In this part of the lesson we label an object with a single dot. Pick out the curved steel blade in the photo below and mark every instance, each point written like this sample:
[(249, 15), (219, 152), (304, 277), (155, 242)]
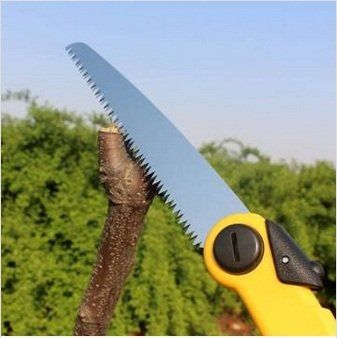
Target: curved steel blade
[(187, 180)]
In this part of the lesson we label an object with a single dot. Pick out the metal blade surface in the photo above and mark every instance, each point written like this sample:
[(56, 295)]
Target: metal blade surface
[(196, 192)]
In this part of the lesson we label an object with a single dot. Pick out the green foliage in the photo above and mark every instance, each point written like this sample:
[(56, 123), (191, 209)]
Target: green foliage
[(53, 209), (21, 95)]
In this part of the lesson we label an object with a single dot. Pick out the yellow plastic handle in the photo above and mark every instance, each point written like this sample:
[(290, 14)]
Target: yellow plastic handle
[(278, 309)]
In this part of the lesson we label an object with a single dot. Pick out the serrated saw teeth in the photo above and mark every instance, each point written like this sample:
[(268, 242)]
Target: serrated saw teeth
[(185, 226), (110, 86), (178, 214), (145, 167), (137, 154)]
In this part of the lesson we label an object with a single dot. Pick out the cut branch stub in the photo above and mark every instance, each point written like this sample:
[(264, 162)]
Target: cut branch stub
[(129, 197)]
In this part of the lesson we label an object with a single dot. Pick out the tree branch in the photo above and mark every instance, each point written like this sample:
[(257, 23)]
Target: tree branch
[(129, 197)]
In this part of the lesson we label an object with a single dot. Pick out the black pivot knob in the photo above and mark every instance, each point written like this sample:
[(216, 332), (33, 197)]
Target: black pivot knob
[(238, 249)]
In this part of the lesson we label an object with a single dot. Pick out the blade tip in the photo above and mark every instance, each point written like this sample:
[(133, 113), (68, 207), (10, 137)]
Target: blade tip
[(75, 45)]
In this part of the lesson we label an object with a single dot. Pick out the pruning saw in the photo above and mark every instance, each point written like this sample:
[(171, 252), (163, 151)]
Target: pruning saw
[(242, 250)]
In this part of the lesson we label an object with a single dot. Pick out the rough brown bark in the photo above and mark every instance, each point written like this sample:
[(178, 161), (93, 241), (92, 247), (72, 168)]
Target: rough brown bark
[(129, 196)]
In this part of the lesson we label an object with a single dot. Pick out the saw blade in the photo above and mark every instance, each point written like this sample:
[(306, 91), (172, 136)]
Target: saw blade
[(198, 195)]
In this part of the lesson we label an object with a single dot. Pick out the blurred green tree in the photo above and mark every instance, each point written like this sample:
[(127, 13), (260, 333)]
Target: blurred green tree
[(53, 209)]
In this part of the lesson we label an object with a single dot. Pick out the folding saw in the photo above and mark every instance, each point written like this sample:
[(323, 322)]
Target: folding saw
[(242, 250)]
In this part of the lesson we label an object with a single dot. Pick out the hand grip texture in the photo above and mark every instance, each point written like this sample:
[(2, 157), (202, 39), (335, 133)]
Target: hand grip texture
[(277, 308)]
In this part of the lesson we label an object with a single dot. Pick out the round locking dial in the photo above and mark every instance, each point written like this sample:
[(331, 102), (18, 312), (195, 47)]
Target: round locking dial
[(238, 249)]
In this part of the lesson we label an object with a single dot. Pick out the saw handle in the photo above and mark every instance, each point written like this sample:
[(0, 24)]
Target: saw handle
[(259, 260)]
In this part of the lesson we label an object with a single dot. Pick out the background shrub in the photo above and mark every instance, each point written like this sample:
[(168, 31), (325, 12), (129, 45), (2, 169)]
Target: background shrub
[(53, 209)]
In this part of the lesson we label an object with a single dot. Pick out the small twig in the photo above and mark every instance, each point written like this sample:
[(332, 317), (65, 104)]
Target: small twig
[(129, 196)]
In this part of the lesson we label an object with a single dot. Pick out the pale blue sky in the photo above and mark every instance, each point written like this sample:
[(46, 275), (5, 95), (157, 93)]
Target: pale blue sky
[(261, 72)]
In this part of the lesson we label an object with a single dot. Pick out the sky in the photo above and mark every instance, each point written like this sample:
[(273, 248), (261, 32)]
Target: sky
[(261, 72)]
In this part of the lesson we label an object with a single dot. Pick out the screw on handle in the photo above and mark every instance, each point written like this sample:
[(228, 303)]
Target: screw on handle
[(238, 249)]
